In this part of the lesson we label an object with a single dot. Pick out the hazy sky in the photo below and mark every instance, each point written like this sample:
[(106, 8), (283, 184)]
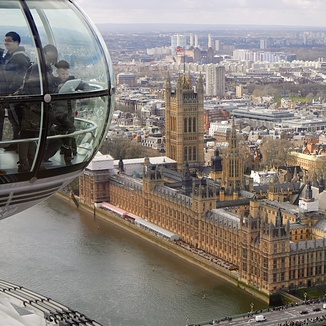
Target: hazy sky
[(256, 12)]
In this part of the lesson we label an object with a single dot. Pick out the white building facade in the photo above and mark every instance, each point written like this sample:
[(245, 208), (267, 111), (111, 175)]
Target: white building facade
[(215, 80)]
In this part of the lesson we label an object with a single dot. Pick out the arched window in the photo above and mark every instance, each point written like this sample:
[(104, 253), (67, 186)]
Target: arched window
[(173, 151), (185, 153)]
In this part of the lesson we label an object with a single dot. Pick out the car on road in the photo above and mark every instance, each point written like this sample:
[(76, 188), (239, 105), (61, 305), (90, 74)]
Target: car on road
[(304, 312), (317, 309), (260, 318)]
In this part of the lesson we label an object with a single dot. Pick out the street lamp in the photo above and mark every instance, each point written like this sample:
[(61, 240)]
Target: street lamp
[(305, 296)]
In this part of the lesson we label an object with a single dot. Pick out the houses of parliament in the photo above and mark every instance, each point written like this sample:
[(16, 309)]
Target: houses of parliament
[(272, 238)]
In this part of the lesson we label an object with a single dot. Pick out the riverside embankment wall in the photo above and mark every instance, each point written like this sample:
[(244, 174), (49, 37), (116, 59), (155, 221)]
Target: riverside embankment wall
[(171, 247)]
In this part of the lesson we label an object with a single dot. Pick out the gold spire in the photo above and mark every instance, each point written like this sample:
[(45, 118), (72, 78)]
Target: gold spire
[(186, 81)]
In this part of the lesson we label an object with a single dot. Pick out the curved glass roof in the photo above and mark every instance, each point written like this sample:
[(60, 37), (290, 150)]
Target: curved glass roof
[(56, 93)]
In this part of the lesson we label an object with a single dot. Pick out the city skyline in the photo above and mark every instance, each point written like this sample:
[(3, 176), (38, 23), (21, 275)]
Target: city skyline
[(308, 13)]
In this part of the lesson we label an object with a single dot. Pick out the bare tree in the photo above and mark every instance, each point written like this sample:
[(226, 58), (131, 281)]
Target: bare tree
[(126, 149), (275, 152)]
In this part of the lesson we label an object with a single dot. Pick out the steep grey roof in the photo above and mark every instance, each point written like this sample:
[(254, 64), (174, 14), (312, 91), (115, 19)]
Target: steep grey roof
[(224, 217), (321, 225), (296, 226), (227, 203), (293, 186), (293, 209), (258, 188), (246, 194), (173, 175), (127, 181), (206, 170), (173, 194), (310, 244)]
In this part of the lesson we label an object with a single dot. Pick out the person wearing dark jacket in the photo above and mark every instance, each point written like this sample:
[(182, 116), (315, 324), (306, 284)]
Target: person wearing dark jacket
[(14, 65), (31, 112), (66, 113)]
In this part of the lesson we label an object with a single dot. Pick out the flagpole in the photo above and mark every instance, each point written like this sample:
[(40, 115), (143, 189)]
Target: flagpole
[(184, 60), (179, 49)]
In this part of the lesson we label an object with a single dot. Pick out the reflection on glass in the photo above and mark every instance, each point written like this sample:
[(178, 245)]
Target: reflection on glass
[(55, 101), (30, 122), (75, 42), (57, 112), (74, 131)]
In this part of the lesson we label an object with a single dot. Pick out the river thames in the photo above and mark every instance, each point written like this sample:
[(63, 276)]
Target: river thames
[(108, 274)]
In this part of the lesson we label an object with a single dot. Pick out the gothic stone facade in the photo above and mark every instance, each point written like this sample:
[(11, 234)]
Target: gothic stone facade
[(270, 246)]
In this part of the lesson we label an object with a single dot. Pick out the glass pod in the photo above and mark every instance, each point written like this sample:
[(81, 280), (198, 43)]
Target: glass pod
[(56, 98)]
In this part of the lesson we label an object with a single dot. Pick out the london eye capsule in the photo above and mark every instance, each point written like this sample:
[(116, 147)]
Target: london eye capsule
[(56, 98)]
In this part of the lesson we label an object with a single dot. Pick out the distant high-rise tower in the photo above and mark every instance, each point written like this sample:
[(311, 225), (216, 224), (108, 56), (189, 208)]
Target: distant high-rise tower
[(215, 80), (210, 55), (239, 91), (217, 45), (196, 41), (197, 55), (264, 44), (184, 122), (191, 40), (210, 50), (178, 41), (209, 43)]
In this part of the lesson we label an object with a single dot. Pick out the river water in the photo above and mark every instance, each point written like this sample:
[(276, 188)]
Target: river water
[(108, 274)]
